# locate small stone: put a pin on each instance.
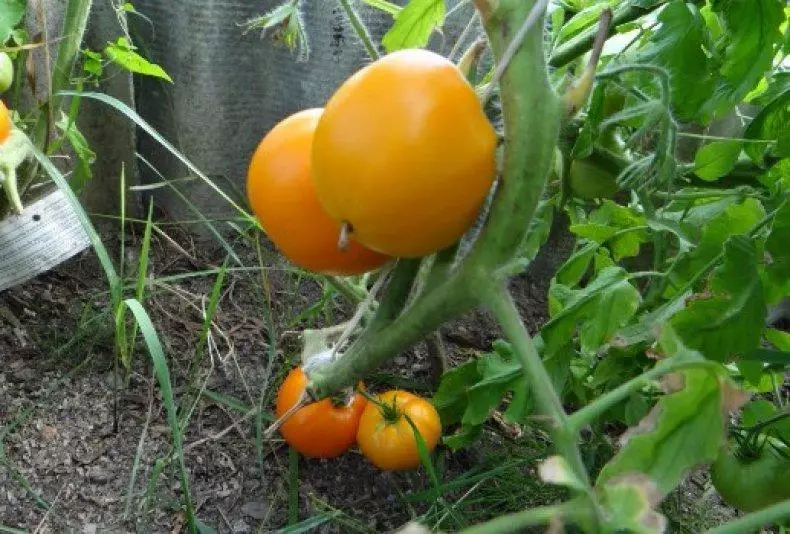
(240, 527)
(90, 528)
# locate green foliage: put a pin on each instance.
(123, 53)
(414, 24)
(716, 159)
(11, 13)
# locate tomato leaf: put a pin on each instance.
(728, 321)
(683, 430)
(678, 46)
(85, 155)
(414, 25)
(777, 245)
(752, 38)
(757, 411)
(452, 398)
(574, 268)
(716, 159)
(122, 54)
(770, 124)
(630, 503)
(11, 13)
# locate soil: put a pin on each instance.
(65, 466)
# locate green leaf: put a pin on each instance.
(753, 37)
(414, 25)
(122, 54)
(778, 245)
(729, 320)
(716, 159)
(612, 220)
(757, 411)
(581, 309)
(92, 63)
(499, 375)
(678, 47)
(11, 13)
(452, 398)
(772, 120)
(572, 271)
(778, 338)
(684, 429)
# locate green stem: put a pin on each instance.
(532, 114)
(11, 189)
(528, 518)
(579, 45)
(755, 520)
(354, 294)
(504, 309)
(360, 29)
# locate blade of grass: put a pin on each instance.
(293, 486)
(163, 377)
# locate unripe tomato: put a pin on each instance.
(6, 72)
(588, 180)
(320, 429)
(387, 439)
(5, 122)
(405, 154)
(751, 484)
(281, 193)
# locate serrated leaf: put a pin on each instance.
(11, 13)
(730, 320)
(716, 159)
(685, 429)
(414, 25)
(753, 36)
(677, 46)
(122, 54)
(498, 376)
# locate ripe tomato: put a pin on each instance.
(751, 484)
(282, 196)
(387, 439)
(6, 72)
(320, 429)
(5, 122)
(405, 154)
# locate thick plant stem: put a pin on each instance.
(528, 518)
(359, 28)
(752, 522)
(532, 113)
(504, 309)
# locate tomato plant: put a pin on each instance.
(387, 438)
(404, 135)
(281, 192)
(320, 429)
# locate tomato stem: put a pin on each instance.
(360, 29)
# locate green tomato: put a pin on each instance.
(751, 484)
(6, 72)
(588, 180)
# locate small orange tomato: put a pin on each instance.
(405, 154)
(281, 193)
(5, 122)
(387, 439)
(320, 429)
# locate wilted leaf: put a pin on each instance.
(684, 429)
(630, 503)
(555, 470)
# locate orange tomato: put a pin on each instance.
(281, 193)
(5, 122)
(320, 429)
(387, 439)
(405, 154)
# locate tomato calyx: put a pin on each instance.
(389, 412)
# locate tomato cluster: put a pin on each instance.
(402, 155)
(382, 427)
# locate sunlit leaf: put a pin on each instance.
(122, 54)
(716, 159)
(414, 25)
